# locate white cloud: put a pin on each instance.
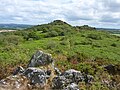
(100, 13)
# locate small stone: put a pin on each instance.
(110, 69)
(19, 70)
(72, 86)
(57, 71)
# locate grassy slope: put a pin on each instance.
(66, 45)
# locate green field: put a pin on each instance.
(117, 34)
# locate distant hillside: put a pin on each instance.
(114, 31)
(14, 26)
(108, 29)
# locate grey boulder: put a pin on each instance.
(73, 76)
(59, 82)
(66, 78)
(40, 59)
(36, 75)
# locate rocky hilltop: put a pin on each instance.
(41, 74)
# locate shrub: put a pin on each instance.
(51, 45)
(94, 36)
(96, 44)
(52, 34)
(64, 42)
(86, 43)
(13, 39)
(31, 35)
(114, 45)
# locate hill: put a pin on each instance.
(81, 48)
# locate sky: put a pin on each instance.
(97, 13)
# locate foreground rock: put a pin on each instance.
(37, 75)
(73, 76)
(72, 86)
(14, 83)
(39, 59)
(42, 75)
(69, 79)
(113, 69)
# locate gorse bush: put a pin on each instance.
(94, 36)
(51, 34)
(114, 45)
(32, 35)
(51, 45)
(86, 42)
(14, 39)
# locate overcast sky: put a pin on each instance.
(98, 13)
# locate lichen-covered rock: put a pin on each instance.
(73, 76)
(66, 78)
(36, 75)
(72, 86)
(88, 78)
(40, 59)
(59, 82)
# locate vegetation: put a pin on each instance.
(82, 48)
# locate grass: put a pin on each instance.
(66, 45)
(81, 50)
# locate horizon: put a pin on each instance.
(54, 20)
(95, 13)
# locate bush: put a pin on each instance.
(64, 42)
(31, 35)
(86, 68)
(94, 36)
(52, 34)
(51, 45)
(96, 44)
(114, 45)
(85, 42)
(12, 39)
